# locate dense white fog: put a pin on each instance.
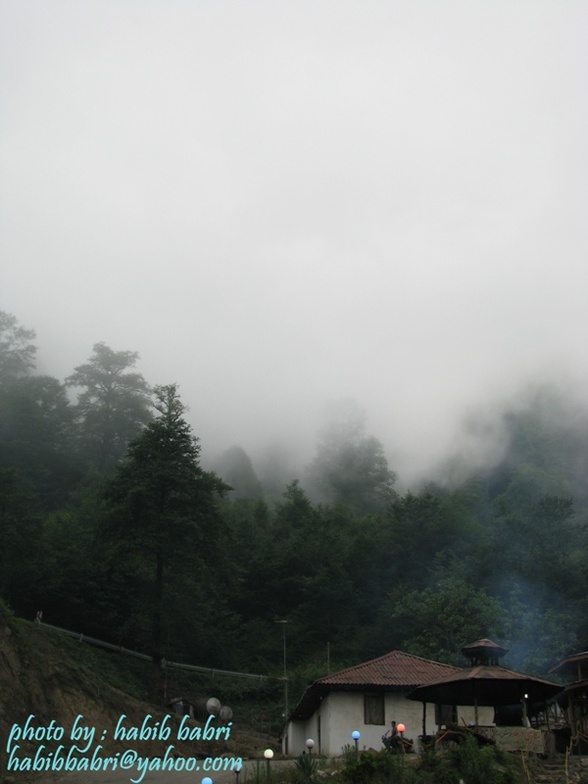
(279, 204)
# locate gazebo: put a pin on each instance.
(486, 683)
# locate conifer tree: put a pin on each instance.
(163, 506)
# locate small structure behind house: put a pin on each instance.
(574, 700)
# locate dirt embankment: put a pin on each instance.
(41, 677)
(38, 678)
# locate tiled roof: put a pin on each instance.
(484, 644)
(571, 665)
(575, 657)
(486, 685)
(484, 648)
(393, 671)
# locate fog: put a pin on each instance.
(279, 204)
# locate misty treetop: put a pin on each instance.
(350, 466)
(110, 523)
(161, 476)
(236, 467)
(113, 404)
(53, 442)
(17, 351)
(37, 435)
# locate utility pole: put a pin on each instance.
(285, 676)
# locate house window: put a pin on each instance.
(445, 714)
(373, 708)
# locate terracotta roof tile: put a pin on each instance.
(394, 669)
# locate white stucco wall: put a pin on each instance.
(340, 713)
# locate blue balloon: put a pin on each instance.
(207, 780)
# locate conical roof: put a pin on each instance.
(484, 651)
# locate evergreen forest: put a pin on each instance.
(110, 525)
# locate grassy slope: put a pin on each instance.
(54, 677)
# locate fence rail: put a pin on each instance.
(212, 671)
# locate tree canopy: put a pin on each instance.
(17, 352)
(350, 466)
(112, 406)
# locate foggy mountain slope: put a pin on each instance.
(532, 444)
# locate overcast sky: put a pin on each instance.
(282, 203)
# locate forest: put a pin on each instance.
(110, 525)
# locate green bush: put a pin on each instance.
(305, 768)
(379, 767)
(437, 768)
(482, 764)
(465, 762)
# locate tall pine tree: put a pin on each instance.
(162, 510)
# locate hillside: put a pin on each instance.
(56, 679)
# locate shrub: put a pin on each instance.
(437, 768)
(465, 762)
(482, 764)
(305, 768)
(379, 767)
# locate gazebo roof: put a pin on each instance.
(485, 685)
(484, 648)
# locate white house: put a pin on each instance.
(366, 698)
